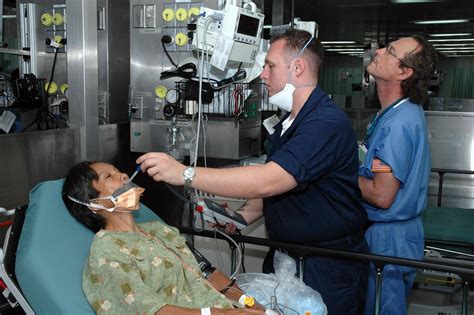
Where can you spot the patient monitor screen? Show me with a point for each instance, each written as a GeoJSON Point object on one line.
{"type": "Point", "coordinates": [248, 25]}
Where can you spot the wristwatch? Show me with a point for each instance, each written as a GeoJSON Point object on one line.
{"type": "Point", "coordinates": [188, 174]}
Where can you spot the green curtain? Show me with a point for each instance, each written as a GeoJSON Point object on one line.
{"type": "Point", "coordinates": [459, 77]}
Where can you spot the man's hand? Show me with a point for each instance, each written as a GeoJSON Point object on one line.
{"type": "Point", "coordinates": [162, 167]}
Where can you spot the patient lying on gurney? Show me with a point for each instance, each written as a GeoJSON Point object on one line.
{"type": "Point", "coordinates": [144, 268]}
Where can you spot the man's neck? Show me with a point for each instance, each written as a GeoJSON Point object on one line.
{"type": "Point", "coordinates": [300, 96]}
{"type": "Point", "coordinates": [388, 93]}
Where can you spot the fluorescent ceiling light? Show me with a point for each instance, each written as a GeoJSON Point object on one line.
{"type": "Point", "coordinates": [452, 21]}
{"type": "Point", "coordinates": [450, 35]}
{"type": "Point", "coordinates": [333, 42]}
{"type": "Point", "coordinates": [451, 40]}
{"type": "Point", "coordinates": [345, 46]}
{"type": "Point", "coordinates": [454, 48]}
{"type": "Point", "coordinates": [453, 45]}
{"type": "Point", "coordinates": [459, 56]}
{"type": "Point", "coordinates": [345, 49]}
{"type": "Point", "coordinates": [456, 51]}
{"type": "Point", "coordinates": [416, 1]}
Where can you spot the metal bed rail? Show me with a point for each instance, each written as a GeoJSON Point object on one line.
{"type": "Point", "coordinates": [464, 269]}
{"type": "Point", "coordinates": [441, 172]}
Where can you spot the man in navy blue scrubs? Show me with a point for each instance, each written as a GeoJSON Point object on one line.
{"type": "Point", "coordinates": [307, 189]}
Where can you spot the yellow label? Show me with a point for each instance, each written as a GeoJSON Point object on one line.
{"type": "Point", "coordinates": [160, 91]}
{"type": "Point", "coordinates": [193, 11]}
{"type": "Point", "coordinates": [63, 88]}
{"type": "Point", "coordinates": [168, 14]}
{"type": "Point", "coordinates": [51, 87]}
{"type": "Point", "coordinates": [181, 14]}
{"type": "Point", "coordinates": [58, 19]}
{"type": "Point", "coordinates": [46, 19]}
{"type": "Point", "coordinates": [57, 39]}
{"type": "Point", "coordinates": [181, 39]}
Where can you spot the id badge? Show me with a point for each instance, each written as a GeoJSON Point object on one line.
{"type": "Point", "coordinates": [362, 153]}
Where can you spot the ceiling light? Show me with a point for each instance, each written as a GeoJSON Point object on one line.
{"type": "Point", "coordinates": [451, 40]}
{"type": "Point", "coordinates": [416, 1]}
{"type": "Point", "coordinates": [449, 56]}
{"type": "Point", "coordinates": [453, 45]}
{"type": "Point", "coordinates": [338, 42]}
{"type": "Point", "coordinates": [457, 51]}
{"type": "Point", "coordinates": [345, 46]}
{"type": "Point", "coordinates": [345, 49]}
{"type": "Point", "coordinates": [453, 48]}
{"type": "Point", "coordinates": [450, 35]}
{"type": "Point", "coordinates": [452, 21]}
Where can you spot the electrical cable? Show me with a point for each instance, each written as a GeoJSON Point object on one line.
{"type": "Point", "coordinates": [207, 22]}
{"type": "Point", "coordinates": [238, 76]}
{"type": "Point", "coordinates": [186, 71]}
{"type": "Point", "coordinates": [238, 251]}
{"type": "Point", "coordinates": [220, 261]}
{"type": "Point", "coordinates": [204, 140]}
{"type": "Point", "coordinates": [242, 248]}
{"type": "Point", "coordinates": [163, 39]}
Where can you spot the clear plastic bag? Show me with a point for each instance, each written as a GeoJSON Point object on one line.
{"type": "Point", "coordinates": [282, 291]}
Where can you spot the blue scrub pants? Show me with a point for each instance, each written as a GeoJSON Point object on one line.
{"type": "Point", "coordinates": [404, 239]}
{"type": "Point", "coordinates": [341, 283]}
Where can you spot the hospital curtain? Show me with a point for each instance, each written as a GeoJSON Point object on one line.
{"type": "Point", "coordinates": [459, 77]}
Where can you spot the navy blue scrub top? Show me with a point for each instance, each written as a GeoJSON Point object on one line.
{"type": "Point", "coordinates": [320, 151]}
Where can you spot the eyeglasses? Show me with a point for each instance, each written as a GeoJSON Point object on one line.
{"type": "Point", "coordinates": [390, 50]}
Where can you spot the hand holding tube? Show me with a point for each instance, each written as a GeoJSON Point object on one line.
{"type": "Point", "coordinates": [162, 167]}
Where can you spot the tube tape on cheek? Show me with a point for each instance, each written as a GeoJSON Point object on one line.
{"type": "Point", "coordinates": [204, 264]}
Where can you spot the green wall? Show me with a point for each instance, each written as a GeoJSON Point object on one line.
{"type": "Point", "coordinates": [334, 67]}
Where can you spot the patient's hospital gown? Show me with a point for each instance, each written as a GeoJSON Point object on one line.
{"type": "Point", "coordinates": [134, 273]}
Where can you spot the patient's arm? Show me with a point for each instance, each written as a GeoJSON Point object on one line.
{"type": "Point", "coordinates": [216, 278]}
{"type": "Point", "coordinates": [221, 282]}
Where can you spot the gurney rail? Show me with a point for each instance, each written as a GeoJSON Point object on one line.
{"type": "Point", "coordinates": [464, 269]}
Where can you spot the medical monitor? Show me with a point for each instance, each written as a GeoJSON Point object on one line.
{"type": "Point", "coordinates": [242, 25]}
{"type": "Point", "coordinates": [248, 25]}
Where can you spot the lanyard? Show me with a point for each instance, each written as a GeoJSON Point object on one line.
{"type": "Point", "coordinates": [377, 117]}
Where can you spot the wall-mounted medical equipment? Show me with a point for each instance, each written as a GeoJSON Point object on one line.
{"type": "Point", "coordinates": [309, 26]}
{"type": "Point", "coordinates": [44, 32]}
{"type": "Point", "coordinates": [233, 34]}
{"type": "Point", "coordinates": [186, 93]}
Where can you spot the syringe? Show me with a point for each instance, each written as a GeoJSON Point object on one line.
{"type": "Point", "coordinates": [138, 169]}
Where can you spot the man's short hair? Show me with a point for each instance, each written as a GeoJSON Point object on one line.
{"type": "Point", "coordinates": [423, 61]}
{"type": "Point", "coordinates": [295, 41]}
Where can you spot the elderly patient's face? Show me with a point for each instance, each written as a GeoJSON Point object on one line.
{"type": "Point", "coordinates": [110, 179]}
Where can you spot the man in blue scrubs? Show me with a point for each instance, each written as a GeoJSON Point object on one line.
{"type": "Point", "coordinates": [395, 165]}
{"type": "Point", "coordinates": [308, 188]}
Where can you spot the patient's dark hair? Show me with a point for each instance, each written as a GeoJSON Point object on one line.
{"type": "Point", "coordinates": [78, 185]}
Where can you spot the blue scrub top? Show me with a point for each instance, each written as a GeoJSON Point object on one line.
{"type": "Point", "coordinates": [400, 140]}
{"type": "Point", "coordinates": [320, 150]}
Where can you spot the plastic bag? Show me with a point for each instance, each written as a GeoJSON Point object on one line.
{"type": "Point", "coordinates": [282, 291]}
